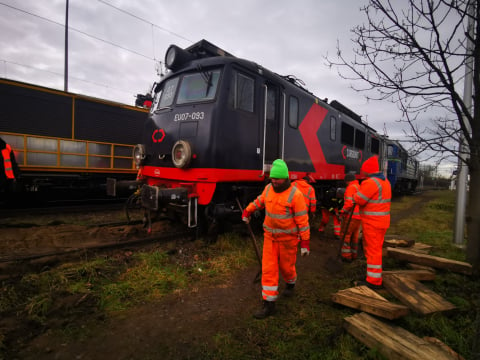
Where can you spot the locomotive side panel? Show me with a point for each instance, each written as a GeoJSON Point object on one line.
{"type": "Point", "coordinates": [97, 121]}
{"type": "Point", "coordinates": [27, 110]}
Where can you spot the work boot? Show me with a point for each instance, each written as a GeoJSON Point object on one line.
{"type": "Point", "coordinates": [289, 290]}
{"type": "Point", "coordinates": [267, 309]}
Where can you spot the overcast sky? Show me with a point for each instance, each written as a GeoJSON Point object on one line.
{"type": "Point", "coordinates": [112, 54]}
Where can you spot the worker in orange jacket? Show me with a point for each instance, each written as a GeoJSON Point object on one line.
{"type": "Point", "coordinates": [286, 221]}
{"type": "Point", "coordinates": [308, 193]}
{"type": "Point", "coordinates": [8, 167]}
{"type": "Point", "coordinates": [350, 233]}
{"type": "Point", "coordinates": [374, 199]}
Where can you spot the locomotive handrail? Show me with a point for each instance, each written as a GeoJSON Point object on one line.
{"type": "Point", "coordinates": [60, 157]}
{"type": "Point", "coordinates": [264, 127]}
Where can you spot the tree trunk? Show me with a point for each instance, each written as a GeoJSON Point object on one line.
{"type": "Point", "coordinates": [473, 220]}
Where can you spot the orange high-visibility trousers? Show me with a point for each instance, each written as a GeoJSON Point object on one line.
{"type": "Point", "coordinates": [326, 218]}
{"type": "Point", "coordinates": [278, 256]}
{"type": "Point", "coordinates": [350, 242]}
{"type": "Point", "coordinates": [373, 238]}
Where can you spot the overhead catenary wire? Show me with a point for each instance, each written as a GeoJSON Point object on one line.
{"type": "Point", "coordinates": [111, 43]}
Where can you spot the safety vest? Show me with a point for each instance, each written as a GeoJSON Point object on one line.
{"type": "Point", "coordinates": [351, 189]}
{"type": "Point", "coordinates": [374, 199]}
{"type": "Point", "coordinates": [7, 162]}
{"type": "Point", "coordinates": [286, 214]}
{"type": "Point", "coordinates": [308, 194]}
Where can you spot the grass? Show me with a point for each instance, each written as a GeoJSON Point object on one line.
{"type": "Point", "coordinates": [308, 327]}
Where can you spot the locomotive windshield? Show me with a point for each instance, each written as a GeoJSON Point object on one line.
{"type": "Point", "coordinates": [192, 87]}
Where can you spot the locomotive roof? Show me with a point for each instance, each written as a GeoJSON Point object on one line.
{"type": "Point", "coordinates": [210, 55]}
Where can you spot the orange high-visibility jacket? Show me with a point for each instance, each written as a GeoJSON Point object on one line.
{"type": "Point", "coordinates": [374, 199]}
{"type": "Point", "coordinates": [286, 214]}
{"type": "Point", "coordinates": [7, 162]}
{"type": "Point", "coordinates": [351, 189]}
{"type": "Point", "coordinates": [308, 193]}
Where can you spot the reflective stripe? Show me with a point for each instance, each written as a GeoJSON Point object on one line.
{"type": "Point", "coordinates": [362, 196]}
{"type": "Point", "coordinates": [293, 281]}
{"type": "Point", "coordinates": [280, 231]}
{"type": "Point", "coordinates": [305, 212]}
{"type": "Point", "coordinates": [374, 275]}
{"type": "Point", "coordinates": [270, 288]}
{"type": "Point", "coordinates": [379, 186]}
{"type": "Point", "coordinates": [269, 297]}
{"type": "Point", "coordinates": [383, 201]}
{"type": "Point", "coordinates": [278, 216]}
{"type": "Point", "coordinates": [374, 266]}
{"type": "Point", "coordinates": [375, 213]}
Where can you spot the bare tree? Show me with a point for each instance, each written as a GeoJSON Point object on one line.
{"type": "Point", "coordinates": [413, 53]}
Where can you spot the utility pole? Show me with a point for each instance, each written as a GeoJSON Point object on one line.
{"type": "Point", "coordinates": [65, 87]}
{"type": "Point", "coordinates": [462, 177]}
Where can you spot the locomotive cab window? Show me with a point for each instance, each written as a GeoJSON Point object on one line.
{"type": "Point", "coordinates": [293, 112]}
{"type": "Point", "coordinates": [390, 150]}
{"type": "Point", "coordinates": [333, 128]}
{"type": "Point", "coordinates": [359, 139]}
{"type": "Point", "coordinates": [198, 87]}
{"type": "Point", "coordinates": [168, 93]}
{"type": "Point", "coordinates": [242, 92]}
{"type": "Point", "coordinates": [375, 146]}
{"type": "Point", "coordinates": [348, 133]}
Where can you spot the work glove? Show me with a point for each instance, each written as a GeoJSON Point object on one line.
{"type": "Point", "coordinates": [304, 247]}
{"type": "Point", "coordinates": [246, 216]}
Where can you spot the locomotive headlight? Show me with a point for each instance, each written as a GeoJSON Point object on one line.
{"type": "Point", "coordinates": [176, 57]}
{"type": "Point", "coordinates": [139, 154]}
{"type": "Point", "coordinates": [181, 154]}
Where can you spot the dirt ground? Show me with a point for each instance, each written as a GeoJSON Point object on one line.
{"type": "Point", "coordinates": [175, 323]}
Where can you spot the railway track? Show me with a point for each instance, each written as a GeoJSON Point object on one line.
{"type": "Point", "coordinates": [33, 240]}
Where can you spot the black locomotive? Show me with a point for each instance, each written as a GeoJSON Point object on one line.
{"type": "Point", "coordinates": [218, 122]}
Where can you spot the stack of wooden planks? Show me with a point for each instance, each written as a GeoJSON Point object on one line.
{"type": "Point", "coordinates": [393, 341]}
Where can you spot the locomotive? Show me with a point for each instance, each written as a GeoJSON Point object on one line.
{"type": "Point", "coordinates": [217, 123]}
{"type": "Point", "coordinates": [403, 169]}
{"type": "Point", "coordinates": [66, 144]}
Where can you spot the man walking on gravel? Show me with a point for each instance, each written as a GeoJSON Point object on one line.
{"type": "Point", "coordinates": [286, 221]}
{"type": "Point", "coordinates": [374, 199]}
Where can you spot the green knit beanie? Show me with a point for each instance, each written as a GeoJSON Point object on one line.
{"type": "Point", "coordinates": [279, 170]}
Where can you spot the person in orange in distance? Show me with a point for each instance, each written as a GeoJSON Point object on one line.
{"type": "Point", "coordinates": [308, 193]}
{"type": "Point", "coordinates": [286, 221]}
{"type": "Point", "coordinates": [330, 206]}
{"type": "Point", "coordinates": [350, 234]}
{"type": "Point", "coordinates": [373, 199]}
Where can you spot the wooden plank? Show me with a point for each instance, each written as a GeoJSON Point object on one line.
{"type": "Point", "coordinates": [419, 275]}
{"type": "Point", "coordinates": [420, 267]}
{"type": "Point", "coordinates": [421, 248]}
{"type": "Point", "coordinates": [429, 260]}
{"type": "Point", "coordinates": [367, 300]}
{"type": "Point", "coordinates": [366, 291]}
{"type": "Point", "coordinates": [444, 346]}
{"type": "Point", "coordinates": [398, 242]}
{"type": "Point", "coordinates": [415, 295]}
{"type": "Point", "coordinates": [392, 341]}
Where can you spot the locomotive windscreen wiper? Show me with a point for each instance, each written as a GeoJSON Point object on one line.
{"type": "Point", "coordinates": [207, 77]}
